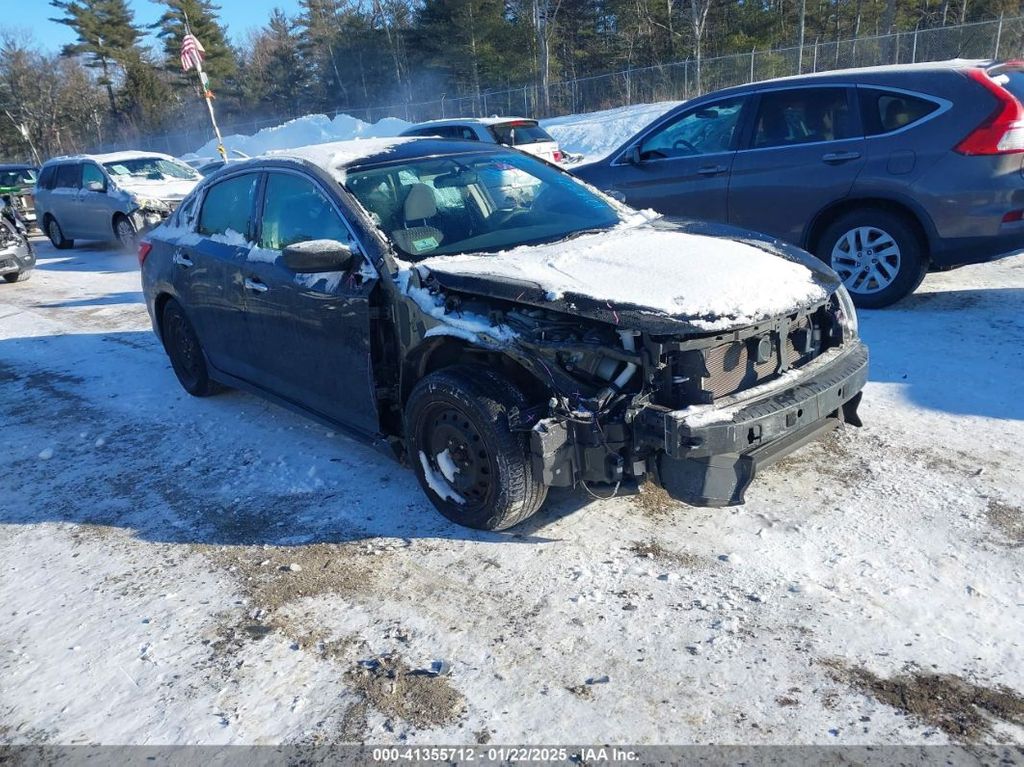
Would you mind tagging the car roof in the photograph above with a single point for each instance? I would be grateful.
(493, 120)
(876, 74)
(338, 155)
(131, 154)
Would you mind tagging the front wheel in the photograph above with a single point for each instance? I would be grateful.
(18, 276)
(471, 465)
(876, 254)
(185, 352)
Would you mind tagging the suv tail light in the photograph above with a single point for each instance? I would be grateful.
(1002, 132)
(556, 156)
(144, 248)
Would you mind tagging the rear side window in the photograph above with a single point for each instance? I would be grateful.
(294, 210)
(802, 116)
(519, 133)
(47, 176)
(69, 176)
(228, 205)
(888, 111)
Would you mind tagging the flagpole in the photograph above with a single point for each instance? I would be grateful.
(204, 81)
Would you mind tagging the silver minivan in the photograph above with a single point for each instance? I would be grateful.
(109, 196)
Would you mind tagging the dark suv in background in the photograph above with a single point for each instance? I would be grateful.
(881, 172)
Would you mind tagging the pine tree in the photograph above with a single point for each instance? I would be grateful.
(220, 62)
(319, 28)
(273, 72)
(106, 36)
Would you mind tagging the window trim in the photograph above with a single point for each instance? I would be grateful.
(673, 116)
(944, 106)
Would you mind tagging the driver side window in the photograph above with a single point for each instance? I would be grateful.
(295, 211)
(706, 130)
(91, 174)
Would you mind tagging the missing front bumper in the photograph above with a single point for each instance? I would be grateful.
(714, 464)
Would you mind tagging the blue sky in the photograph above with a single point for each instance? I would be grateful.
(238, 15)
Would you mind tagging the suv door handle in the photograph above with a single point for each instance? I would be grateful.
(712, 170)
(840, 157)
(255, 285)
(181, 259)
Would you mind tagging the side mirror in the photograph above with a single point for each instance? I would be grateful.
(317, 256)
(633, 155)
(96, 186)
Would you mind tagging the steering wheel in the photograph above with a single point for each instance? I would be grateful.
(503, 216)
(681, 143)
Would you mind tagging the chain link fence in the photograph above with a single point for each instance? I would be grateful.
(1001, 38)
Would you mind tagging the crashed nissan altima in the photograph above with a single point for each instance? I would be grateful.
(500, 327)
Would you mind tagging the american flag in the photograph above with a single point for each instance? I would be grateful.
(191, 52)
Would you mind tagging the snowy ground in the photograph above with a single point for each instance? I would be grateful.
(220, 570)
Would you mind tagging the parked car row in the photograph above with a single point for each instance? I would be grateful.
(502, 327)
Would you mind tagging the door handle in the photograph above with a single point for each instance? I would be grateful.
(181, 259)
(712, 170)
(255, 285)
(840, 157)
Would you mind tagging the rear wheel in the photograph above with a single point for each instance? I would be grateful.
(18, 276)
(876, 254)
(53, 231)
(185, 352)
(471, 465)
(125, 231)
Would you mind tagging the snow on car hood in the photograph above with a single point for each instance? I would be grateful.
(164, 189)
(636, 275)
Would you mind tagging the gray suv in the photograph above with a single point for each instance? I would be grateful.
(109, 196)
(883, 173)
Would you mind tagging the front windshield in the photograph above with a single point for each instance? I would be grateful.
(154, 168)
(20, 177)
(476, 202)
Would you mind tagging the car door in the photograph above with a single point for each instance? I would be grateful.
(63, 203)
(208, 270)
(681, 167)
(310, 333)
(94, 203)
(804, 151)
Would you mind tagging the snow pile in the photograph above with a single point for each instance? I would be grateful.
(595, 134)
(720, 283)
(302, 131)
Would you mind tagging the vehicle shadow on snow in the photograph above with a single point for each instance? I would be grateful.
(110, 299)
(956, 351)
(98, 257)
(99, 433)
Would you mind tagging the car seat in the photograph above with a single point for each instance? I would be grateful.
(417, 235)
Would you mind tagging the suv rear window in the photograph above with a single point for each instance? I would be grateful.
(519, 133)
(888, 111)
(68, 175)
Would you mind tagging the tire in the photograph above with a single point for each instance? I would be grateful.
(465, 411)
(125, 232)
(56, 235)
(18, 276)
(185, 352)
(877, 254)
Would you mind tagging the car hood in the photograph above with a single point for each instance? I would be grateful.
(166, 189)
(663, 276)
